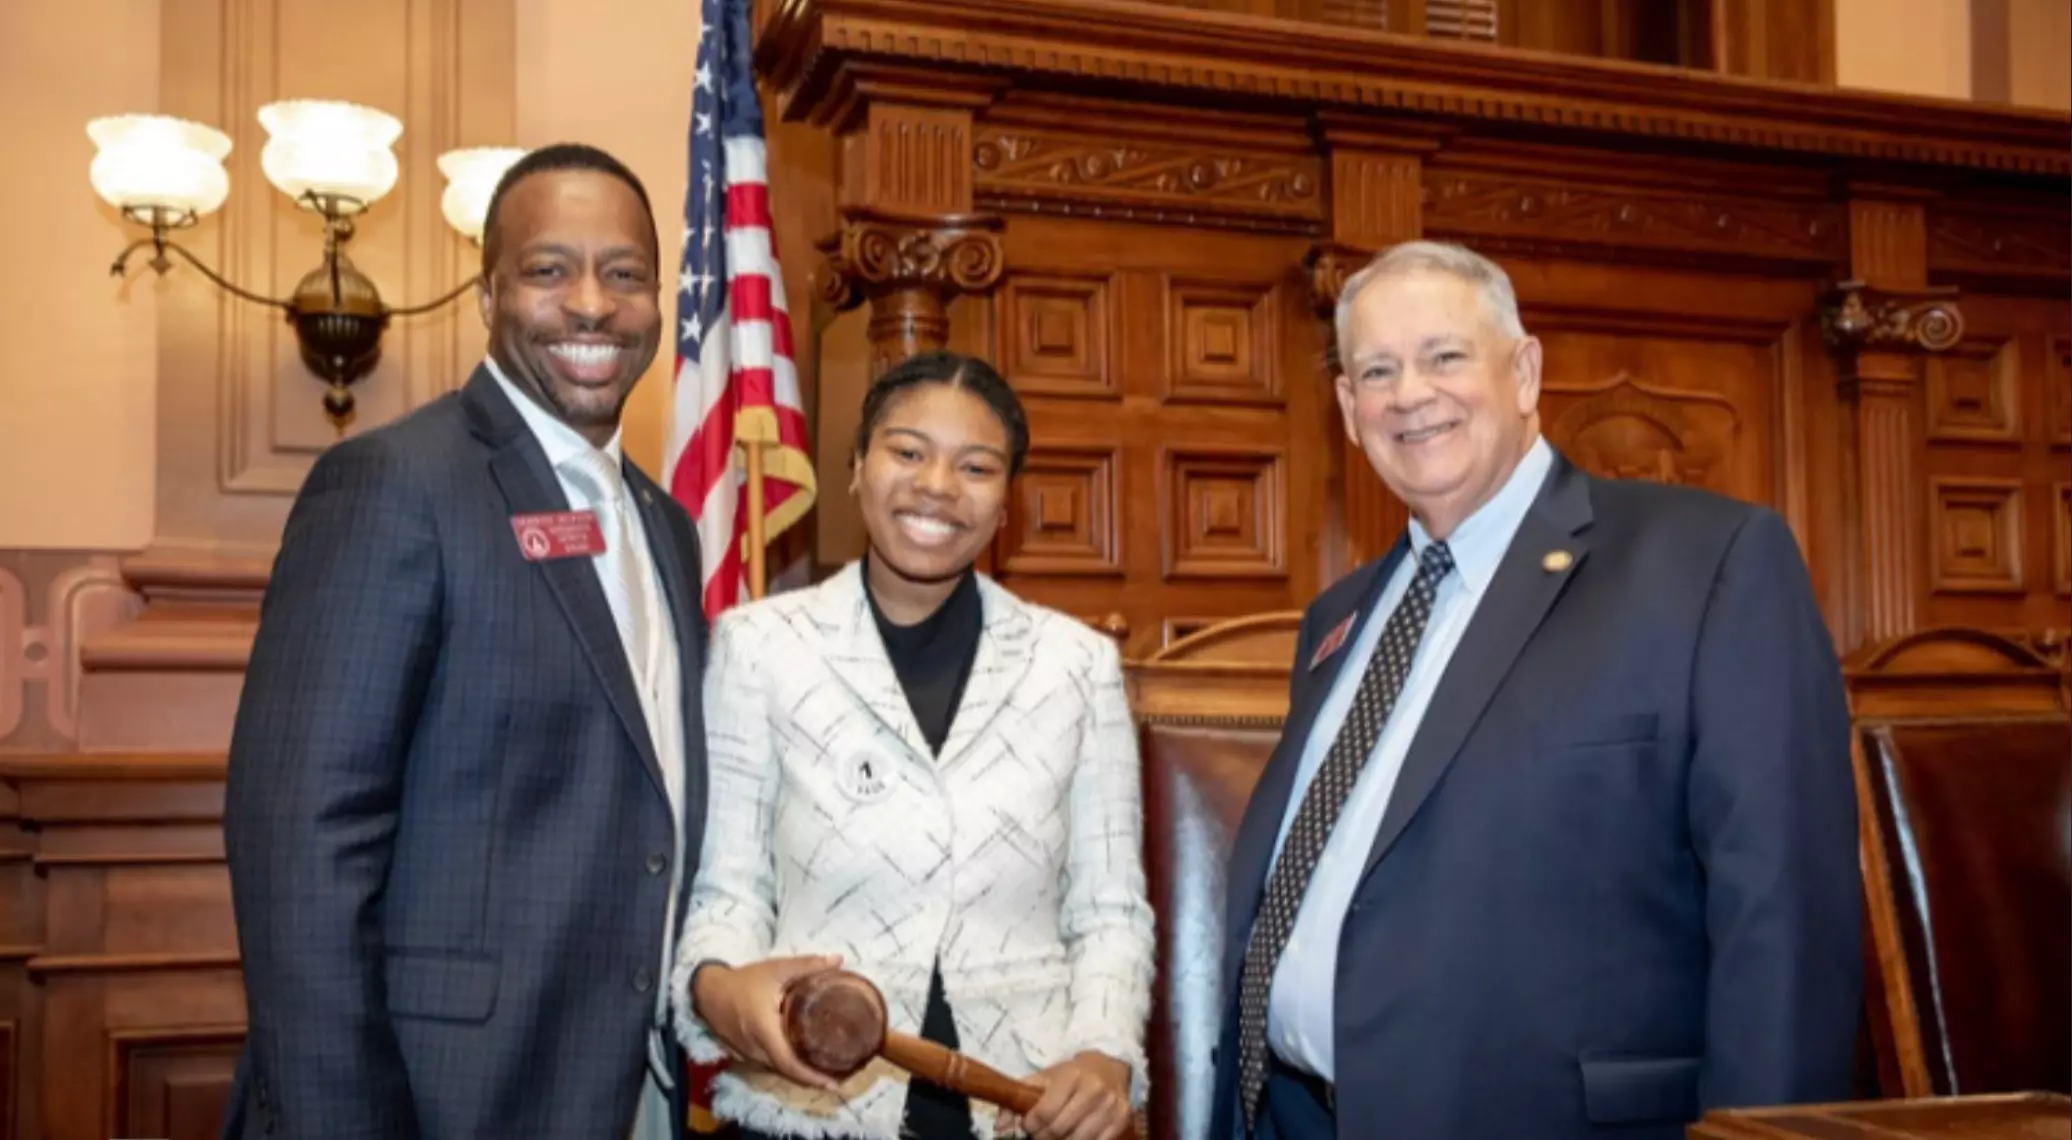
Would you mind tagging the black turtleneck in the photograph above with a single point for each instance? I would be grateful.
(933, 659)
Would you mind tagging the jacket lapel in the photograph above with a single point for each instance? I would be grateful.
(1003, 660)
(529, 487)
(856, 655)
(1252, 851)
(1520, 595)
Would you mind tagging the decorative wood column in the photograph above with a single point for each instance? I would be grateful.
(909, 240)
(1879, 324)
(1376, 195)
(908, 269)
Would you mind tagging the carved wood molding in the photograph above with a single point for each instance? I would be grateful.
(1998, 243)
(1525, 210)
(1857, 318)
(872, 254)
(1185, 183)
(808, 41)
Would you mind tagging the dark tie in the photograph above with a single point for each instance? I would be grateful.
(1328, 790)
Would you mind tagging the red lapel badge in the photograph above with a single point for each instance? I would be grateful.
(1332, 641)
(558, 534)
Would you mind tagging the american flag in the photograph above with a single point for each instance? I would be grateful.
(733, 346)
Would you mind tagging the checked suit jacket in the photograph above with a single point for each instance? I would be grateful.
(449, 839)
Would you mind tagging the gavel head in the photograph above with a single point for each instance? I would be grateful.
(835, 1021)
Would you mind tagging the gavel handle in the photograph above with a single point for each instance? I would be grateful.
(959, 1073)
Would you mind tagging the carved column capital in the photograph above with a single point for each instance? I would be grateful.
(875, 254)
(1329, 264)
(909, 269)
(1855, 317)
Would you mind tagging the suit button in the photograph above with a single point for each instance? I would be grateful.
(657, 862)
(643, 980)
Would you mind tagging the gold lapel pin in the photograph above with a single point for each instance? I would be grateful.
(1556, 561)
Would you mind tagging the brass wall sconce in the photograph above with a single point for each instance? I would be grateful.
(333, 159)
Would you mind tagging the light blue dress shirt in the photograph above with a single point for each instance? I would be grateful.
(1299, 1008)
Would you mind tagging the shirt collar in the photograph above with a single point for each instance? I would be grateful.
(1479, 542)
(560, 441)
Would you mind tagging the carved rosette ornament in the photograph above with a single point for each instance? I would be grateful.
(908, 269)
(1858, 318)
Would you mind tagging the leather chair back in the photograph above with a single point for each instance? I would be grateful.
(1209, 711)
(1964, 780)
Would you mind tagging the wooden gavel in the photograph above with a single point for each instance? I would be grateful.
(835, 1022)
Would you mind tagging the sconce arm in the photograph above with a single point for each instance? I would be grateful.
(161, 247)
(441, 302)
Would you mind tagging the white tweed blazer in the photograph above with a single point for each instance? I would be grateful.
(1016, 856)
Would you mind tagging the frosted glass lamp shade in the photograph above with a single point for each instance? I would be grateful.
(471, 177)
(146, 161)
(330, 149)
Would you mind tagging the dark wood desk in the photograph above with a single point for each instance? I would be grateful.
(2017, 1116)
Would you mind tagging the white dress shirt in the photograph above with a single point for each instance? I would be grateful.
(652, 655)
(1299, 1016)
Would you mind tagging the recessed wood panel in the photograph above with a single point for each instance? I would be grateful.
(1054, 336)
(1225, 514)
(1061, 518)
(2061, 537)
(1973, 393)
(2057, 386)
(9, 1098)
(1221, 344)
(1975, 533)
(1623, 428)
(173, 1085)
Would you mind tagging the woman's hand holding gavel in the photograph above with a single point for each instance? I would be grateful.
(743, 1006)
(835, 1023)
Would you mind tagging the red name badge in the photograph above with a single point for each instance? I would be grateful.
(1332, 641)
(558, 534)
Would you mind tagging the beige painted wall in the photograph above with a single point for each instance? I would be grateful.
(78, 349)
(1911, 47)
(618, 76)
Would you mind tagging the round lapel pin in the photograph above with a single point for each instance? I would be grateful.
(1556, 561)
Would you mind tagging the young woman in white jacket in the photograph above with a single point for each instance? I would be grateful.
(924, 779)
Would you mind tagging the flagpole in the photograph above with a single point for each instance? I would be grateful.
(754, 430)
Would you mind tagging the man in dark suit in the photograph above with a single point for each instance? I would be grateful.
(468, 766)
(1559, 841)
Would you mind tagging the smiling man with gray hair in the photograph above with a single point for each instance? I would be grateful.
(1560, 837)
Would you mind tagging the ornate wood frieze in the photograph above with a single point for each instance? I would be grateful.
(1477, 203)
(1018, 169)
(1058, 42)
(1998, 243)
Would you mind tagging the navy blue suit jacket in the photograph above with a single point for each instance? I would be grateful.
(1616, 882)
(448, 836)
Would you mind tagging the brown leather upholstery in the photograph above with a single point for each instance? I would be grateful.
(1974, 819)
(1196, 781)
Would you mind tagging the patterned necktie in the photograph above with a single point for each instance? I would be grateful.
(605, 486)
(1329, 788)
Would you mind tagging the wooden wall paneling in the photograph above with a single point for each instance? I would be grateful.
(21, 935)
(1994, 461)
(1174, 409)
(1792, 40)
(136, 967)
